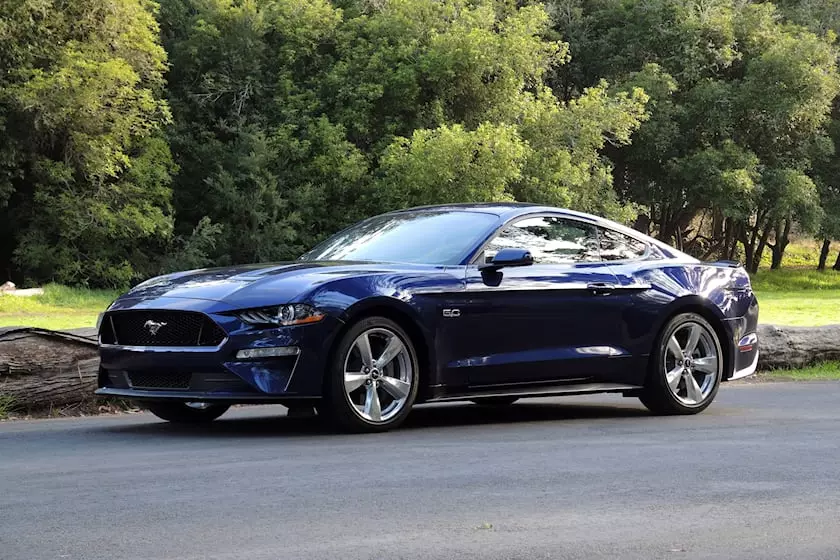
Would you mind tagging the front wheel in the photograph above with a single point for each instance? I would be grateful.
(373, 378)
(187, 413)
(685, 368)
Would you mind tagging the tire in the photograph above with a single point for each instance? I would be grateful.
(184, 413)
(669, 389)
(495, 401)
(353, 379)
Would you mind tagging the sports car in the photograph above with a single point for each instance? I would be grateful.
(487, 303)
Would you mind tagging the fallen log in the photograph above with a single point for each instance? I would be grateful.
(796, 347)
(41, 369)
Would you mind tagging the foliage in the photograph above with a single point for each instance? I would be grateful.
(7, 406)
(84, 171)
(739, 103)
(291, 123)
(137, 138)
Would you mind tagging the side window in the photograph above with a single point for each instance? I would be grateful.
(618, 247)
(550, 240)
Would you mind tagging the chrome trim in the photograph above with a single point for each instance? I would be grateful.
(186, 349)
(113, 328)
(747, 371)
(292, 374)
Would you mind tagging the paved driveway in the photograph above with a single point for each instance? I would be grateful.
(755, 476)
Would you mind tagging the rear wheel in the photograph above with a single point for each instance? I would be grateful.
(373, 378)
(495, 401)
(686, 367)
(187, 413)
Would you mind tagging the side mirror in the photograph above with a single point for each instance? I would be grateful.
(507, 258)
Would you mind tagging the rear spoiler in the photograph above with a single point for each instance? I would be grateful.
(728, 264)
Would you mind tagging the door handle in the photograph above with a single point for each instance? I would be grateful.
(600, 288)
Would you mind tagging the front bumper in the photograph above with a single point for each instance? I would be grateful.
(191, 396)
(215, 374)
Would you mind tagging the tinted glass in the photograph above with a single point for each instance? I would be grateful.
(550, 240)
(618, 247)
(414, 237)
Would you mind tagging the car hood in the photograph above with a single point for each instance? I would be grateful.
(263, 284)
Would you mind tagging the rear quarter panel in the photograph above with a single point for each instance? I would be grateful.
(721, 292)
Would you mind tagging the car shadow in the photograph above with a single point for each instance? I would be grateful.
(421, 418)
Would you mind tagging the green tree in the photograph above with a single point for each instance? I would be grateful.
(84, 171)
(739, 103)
(293, 119)
(823, 17)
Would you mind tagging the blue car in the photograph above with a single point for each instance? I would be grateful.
(488, 303)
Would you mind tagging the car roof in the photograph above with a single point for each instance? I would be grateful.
(497, 208)
(505, 210)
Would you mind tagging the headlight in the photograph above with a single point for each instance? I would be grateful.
(282, 315)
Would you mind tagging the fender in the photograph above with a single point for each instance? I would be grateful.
(410, 319)
(712, 313)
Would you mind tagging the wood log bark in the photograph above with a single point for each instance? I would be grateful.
(794, 347)
(40, 369)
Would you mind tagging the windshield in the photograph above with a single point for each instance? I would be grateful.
(428, 237)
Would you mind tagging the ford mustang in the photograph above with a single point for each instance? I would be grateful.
(487, 303)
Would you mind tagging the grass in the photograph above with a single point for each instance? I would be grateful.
(58, 308)
(7, 404)
(796, 280)
(799, 309)
(818, 372)
(801, 253)
(798, 297)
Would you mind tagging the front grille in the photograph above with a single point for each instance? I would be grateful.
(160, 328)
(150, 380)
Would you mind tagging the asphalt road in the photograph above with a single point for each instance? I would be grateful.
(755, 476)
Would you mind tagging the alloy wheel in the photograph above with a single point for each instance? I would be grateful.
(378, 375)
(692, 363)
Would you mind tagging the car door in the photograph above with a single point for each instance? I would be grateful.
(552, 321)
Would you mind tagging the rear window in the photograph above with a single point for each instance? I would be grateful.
(616, 246)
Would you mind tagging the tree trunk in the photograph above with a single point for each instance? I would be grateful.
(826, 246)
(793, 347)
(759, 252)
(40, 369)
(642, 223)
(782, 241)
(837, 263)
(731, 241)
